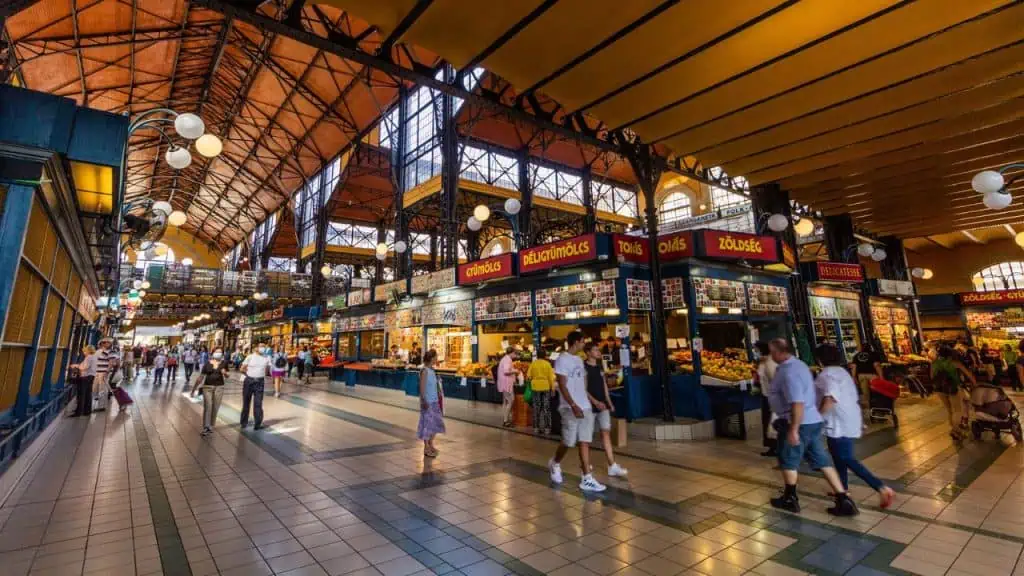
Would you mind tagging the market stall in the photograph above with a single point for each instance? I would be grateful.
(836, 301)
(995, 318)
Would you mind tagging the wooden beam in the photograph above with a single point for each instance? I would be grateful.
(1010, 230)
(972, 237)
(937, 243)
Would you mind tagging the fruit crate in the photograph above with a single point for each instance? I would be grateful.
(706, 380)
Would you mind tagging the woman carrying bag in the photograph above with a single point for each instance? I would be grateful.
(431, 405)
(211, 378)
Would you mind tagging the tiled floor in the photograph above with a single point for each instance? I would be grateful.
(337, 484)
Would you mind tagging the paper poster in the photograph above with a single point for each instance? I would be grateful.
(624, 357)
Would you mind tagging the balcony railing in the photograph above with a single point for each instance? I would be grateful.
(177, 279)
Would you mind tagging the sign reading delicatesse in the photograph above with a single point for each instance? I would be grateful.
(491, 268)
(557, 254)
(839, 272)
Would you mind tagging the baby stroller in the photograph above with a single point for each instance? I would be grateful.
(994, 411)
(882, 401)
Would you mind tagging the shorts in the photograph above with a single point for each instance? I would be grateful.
(604, 420)
(277, 372)
(811, 448)
(576, 429)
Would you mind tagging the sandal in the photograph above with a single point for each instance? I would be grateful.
(429, 454)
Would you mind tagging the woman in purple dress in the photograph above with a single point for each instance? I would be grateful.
(431, 405)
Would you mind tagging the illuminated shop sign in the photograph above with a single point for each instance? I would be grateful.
(487, 269)
(558, 254)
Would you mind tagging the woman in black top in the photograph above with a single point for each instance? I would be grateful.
(211, 378)
(600, 400)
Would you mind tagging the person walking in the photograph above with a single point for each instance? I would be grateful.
(601, 400)
(189, 358)
(431, 405)
(839, 406)
(800, 425)
(211, 378)
(309, 364)
(278, 370)
(1015, 365)
(301, 361)
(86, 377)
(506, 382)
(101, 390)
(159, 363)
(204, 356)
(542, 380)
(128, 364)
(865, 367)
(255, 369)
(765, 373)
(137, 354)
(947, 383)
(172, 366)
(576, 412)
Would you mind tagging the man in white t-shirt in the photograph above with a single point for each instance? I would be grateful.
(255, 369)
(576, 412)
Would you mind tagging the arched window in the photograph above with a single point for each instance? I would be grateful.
(674, 206)
(1005, 276)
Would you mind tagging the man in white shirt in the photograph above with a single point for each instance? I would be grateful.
(103, 357)
(255, 369)
(577, 414)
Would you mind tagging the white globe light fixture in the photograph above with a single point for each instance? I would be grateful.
(804, 227)
(186, 261)
(178, 158)
(381, 257)
(209, 145)
(513, 206)
(325, 270)
(482, 213)
(231, 308)
(917, 272)
(264, 295)
(382, 250)
(163, 206)
(239, 303)
(777, 222)
(142, 294)
(138, 283)
(473, 224)
(878, 255)
(401, 247)
(996, 200)
(189, 126)
(244, 302)
(928, 274)
(865, 250)
(223, 308)
(987, 182)
(145, 285)
(177, 218)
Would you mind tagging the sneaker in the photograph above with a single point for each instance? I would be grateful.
(617, 471)
(844, 506)
(589, 484)
(787, 503)
(556, 471)
(770, 453)
(886, 495)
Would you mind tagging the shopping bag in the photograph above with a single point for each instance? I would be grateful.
(528, 393)
(122, 397)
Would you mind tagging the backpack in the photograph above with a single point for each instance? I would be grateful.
(280, 362)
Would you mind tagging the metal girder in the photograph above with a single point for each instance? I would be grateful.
(603, 141)
(403, 26)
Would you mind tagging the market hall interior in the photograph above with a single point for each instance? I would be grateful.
(299, 287)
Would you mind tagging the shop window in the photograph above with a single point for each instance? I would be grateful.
(674, 206)
(556, 184)
(1005, 276)
(11, 362)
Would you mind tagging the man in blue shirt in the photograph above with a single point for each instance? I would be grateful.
(801, 430)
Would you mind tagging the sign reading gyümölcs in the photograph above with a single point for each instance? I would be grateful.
(995, 297)
(558, 254)
(487, 269)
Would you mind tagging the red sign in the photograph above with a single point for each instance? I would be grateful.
(486, 269)
(631, 249)
(840, 272)
(719, 244)
(675, 246)
(788, 256)
(997, 297)
(562, 253)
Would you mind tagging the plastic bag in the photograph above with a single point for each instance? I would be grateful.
(528, 393)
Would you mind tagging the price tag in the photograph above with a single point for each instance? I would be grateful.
(463, 381)
(743, 385)
(483, 382)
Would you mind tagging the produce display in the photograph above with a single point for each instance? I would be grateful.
(725, 366)
(909, 359)
(387, 363)
(475, 370)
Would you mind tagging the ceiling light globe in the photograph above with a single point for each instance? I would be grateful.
(325, 270)
(245, 302)
(209, 145)
(186, 261)
(928, 274)
(178, 158)
(917, 272)
(189, 126)
(163, 206)
(401, 247)
(382, 249)
(777, 222)
(381, 257)
(138, 283)
(142, 293)
(482, 213)
(473, 224)
(804, 227)
(996, 200)
(513, 206)
(865, 249)
(177, 218)
(987, 182)
(878, 255)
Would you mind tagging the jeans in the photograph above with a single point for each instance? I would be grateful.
(811, 447)
(211, 404)
(172, 373)
(302, 369)
(507, 402)
(158, 375)
(84, 391)
(542, 411)
(252, 393)
(188, 372)
(845, 460)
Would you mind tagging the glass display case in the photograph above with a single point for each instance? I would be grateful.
(347, 345)
(371, 344)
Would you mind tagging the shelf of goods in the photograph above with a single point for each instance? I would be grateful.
(729, 366)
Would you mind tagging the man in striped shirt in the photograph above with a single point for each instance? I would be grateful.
(103, 360)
